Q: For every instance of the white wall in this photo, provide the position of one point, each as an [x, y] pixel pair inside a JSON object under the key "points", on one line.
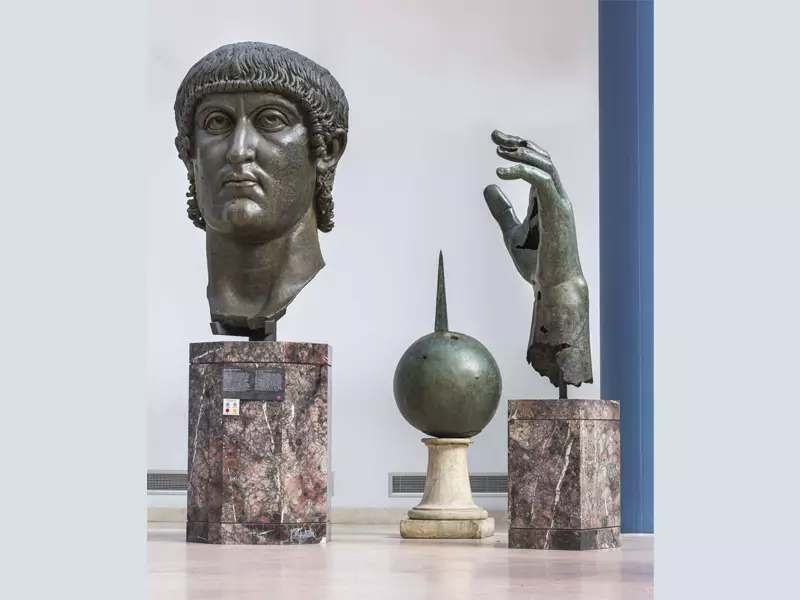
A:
{"points": [[427, 82]]}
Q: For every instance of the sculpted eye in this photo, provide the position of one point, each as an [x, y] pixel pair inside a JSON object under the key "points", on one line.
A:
{"points": [[217, 122], [271, 120]]}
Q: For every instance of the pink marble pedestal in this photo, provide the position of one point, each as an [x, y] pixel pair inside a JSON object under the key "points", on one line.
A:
{"points": [[563, 474], [259, 476]]}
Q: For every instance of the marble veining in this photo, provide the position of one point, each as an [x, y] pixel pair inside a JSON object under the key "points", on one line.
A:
{"points": [[564, 474], [260, 476], [564, 539], [260, 352], [258, 533], [544, 478], [527, 410]]}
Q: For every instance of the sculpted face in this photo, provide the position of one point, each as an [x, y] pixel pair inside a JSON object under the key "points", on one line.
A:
{"points": [[254, 171]]}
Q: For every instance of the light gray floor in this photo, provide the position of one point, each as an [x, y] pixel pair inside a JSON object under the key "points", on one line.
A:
{"points": [[373, 562]]}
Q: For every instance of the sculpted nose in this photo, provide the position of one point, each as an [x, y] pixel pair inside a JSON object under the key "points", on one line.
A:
{"points": [[242, 144]]}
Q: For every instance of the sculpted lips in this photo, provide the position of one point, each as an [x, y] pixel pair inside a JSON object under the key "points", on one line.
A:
{"points": [[239, 180]]}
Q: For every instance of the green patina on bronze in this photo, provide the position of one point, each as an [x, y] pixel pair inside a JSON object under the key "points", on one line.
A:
{"points": [[544, 249], [261, 130], [440, 323], [447, 384]]}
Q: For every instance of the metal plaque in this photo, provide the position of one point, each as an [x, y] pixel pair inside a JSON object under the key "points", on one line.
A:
{"points": [[253, 383]]}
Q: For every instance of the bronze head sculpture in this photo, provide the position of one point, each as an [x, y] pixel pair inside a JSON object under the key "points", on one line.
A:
{"points": [[544, 249], [261, 130]]}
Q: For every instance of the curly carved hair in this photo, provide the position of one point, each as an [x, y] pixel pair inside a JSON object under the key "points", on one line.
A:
{"points": [[260, 67]]}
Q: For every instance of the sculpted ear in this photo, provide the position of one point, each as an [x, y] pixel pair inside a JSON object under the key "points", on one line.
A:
{"points": [[333, 151], [183, 146]]}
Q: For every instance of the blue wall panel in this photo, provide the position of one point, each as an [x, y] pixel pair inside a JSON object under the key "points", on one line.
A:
{"points": [[626, 243]]}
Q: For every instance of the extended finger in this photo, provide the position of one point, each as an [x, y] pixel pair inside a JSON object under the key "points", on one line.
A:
{"points": [[505, 140], [512, 141], [536, 177], [535, 159], [501, 210]]}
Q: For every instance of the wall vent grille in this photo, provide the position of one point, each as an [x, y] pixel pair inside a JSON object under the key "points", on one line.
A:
{"points": [[408, 484], [167, 481], [413, 484], [177, 481]]}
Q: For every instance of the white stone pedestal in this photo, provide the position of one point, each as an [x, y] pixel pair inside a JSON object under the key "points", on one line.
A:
{"points": [[447, 509]]}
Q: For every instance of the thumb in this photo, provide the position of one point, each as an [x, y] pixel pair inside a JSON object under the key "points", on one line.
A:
{"points": [[501, 210]]}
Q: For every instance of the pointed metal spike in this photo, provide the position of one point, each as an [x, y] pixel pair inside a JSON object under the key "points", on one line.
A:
{"points": [[441, 299]]}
